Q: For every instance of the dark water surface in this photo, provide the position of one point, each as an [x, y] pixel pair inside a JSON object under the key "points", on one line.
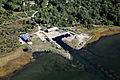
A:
{"points": [[51, 67], [104, 53]]}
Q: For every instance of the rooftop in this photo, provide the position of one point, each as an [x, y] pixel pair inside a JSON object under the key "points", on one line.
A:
{"points": [[32, 2], [24, 36]]}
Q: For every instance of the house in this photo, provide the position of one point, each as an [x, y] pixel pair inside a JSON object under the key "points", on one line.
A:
{"points": [[32, 2], [52, 29], [25, 38]]}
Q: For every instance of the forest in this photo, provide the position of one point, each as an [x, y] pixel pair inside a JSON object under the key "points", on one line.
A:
{"points": [[79, 12], [67, 12], [60, 13]]}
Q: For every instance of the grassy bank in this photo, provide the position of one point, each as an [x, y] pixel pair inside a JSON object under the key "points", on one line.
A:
{"points": [[110, 31], [13, 55], [12, 62]]}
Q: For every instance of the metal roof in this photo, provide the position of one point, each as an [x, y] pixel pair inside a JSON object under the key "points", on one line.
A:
{"points": [[24, 36]]}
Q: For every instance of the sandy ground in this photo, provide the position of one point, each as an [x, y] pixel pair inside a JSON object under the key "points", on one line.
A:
{"points": [[15, 64], [77, 41], [81, 37], [4, 60], [50, 35], [40, 35]]}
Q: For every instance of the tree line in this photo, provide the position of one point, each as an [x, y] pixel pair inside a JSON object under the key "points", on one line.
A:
{"points": [[79, 12], [68, 12], [60, 13]]}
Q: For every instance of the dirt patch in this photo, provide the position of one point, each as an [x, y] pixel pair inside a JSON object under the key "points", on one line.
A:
{"points": [[98, 25], [77, 41], [4, 59], [52, 34]]}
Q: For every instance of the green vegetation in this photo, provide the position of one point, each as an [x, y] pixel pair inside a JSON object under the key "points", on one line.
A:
{"points": [[16, 17], [39, 45], [8, 41], [4, 15], [67, 12], [11, 23], [9, 38], [79, 12]]}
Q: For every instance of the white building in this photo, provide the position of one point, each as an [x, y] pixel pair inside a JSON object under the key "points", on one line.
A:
{"points": [[31, 2], [24, 3], [52, 29]]}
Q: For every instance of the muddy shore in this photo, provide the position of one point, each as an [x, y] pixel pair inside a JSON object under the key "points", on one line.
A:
{"points": [[15, 64]]}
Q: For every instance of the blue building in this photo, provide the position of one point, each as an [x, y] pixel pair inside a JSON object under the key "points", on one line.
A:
{"points": [[24, 37]]}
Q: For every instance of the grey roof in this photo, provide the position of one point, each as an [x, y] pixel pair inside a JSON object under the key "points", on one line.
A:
{"points": [[31, 1]]}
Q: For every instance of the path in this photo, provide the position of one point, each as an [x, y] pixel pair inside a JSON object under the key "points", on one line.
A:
{"points": [[33, 18], [67, 55]]}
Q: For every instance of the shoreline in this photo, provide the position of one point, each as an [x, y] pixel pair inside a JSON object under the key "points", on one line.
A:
{"points": [[19, 62], [98, 35], [15, 64]]}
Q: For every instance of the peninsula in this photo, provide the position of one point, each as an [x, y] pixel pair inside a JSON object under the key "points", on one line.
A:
{"points": [[30, 26]]}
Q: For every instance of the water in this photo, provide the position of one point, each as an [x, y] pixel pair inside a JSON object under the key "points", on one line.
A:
{"points": [[104, 52], [76, 55], [51, 67]]}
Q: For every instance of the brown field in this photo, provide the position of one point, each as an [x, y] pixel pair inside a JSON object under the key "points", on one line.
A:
{"points": [[14, 61], [112, 31]]}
